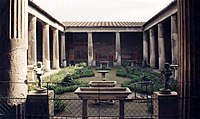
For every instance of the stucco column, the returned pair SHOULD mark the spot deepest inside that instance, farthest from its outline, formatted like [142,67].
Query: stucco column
[14,59]
[90,49]
[152,48]
[32,51]
[161,46]
[174,39]
[55,49]
[118,49]
[63,56]
[145,48]
[174,43]
[46,51]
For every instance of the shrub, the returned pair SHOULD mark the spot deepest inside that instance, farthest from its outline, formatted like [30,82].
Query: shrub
[59,105]
[136,74]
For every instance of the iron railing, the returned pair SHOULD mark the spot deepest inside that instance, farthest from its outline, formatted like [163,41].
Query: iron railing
[68,105]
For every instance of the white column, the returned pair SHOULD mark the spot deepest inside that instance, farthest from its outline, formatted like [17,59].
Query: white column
[174,39]
[118,48]
[145,48]
[15,56]
[55,49]
[63,56]
[152,48]
[174,43]
[90,49]
[32,50]
[45,50]
[161,46]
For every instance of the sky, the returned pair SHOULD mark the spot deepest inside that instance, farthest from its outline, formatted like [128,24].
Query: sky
[102,10]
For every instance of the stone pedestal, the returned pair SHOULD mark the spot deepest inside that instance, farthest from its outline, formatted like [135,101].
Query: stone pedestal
[40,105]
[165,106]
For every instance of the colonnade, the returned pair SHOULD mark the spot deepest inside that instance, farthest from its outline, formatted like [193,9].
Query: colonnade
[91,61]
[149,45]
[32,44]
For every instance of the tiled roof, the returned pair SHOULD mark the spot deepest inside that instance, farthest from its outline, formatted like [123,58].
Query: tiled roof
[103,24]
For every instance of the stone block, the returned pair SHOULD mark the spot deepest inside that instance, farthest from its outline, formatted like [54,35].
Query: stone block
[40,105]
[165,106]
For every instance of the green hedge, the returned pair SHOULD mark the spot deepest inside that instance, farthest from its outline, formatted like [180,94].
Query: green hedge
[64,80]
[60,88]
[59,105]
[136,73]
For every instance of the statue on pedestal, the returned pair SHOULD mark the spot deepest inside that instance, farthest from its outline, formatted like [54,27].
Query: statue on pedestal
[167,72]
[39,69]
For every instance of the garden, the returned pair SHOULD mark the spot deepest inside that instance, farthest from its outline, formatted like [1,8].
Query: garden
[141,77]
[68,79]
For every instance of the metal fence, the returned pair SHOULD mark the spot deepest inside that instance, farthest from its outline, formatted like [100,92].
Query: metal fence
[67,105]
[73,108]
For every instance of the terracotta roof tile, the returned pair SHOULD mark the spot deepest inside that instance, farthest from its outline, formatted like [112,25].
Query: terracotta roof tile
[103,24]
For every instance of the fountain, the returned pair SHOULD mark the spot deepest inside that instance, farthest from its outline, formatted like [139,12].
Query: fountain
[103,93]
[102,83]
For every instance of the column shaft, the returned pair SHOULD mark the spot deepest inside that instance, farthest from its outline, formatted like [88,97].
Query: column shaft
[55,49]
[145,48]
[32,51]
[161,46]
[46,51]
[63,56]
[14,59]
[152,48]
[118,49]
[174,43]
[90,49]
[174,39]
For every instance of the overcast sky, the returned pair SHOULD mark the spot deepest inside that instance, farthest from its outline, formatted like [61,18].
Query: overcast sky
[102,10]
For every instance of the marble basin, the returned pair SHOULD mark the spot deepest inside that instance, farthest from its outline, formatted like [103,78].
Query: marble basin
[103,92]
